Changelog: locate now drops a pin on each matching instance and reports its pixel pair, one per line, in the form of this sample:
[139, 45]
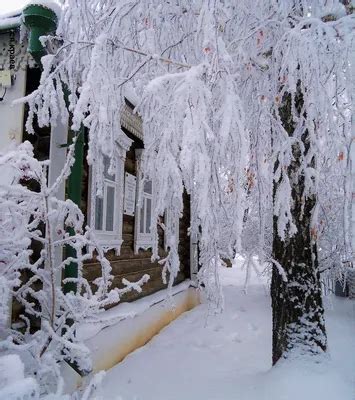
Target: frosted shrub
[31, 217]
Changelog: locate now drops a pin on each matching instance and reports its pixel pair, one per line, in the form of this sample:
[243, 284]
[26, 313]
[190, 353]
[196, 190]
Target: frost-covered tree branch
[214, 129]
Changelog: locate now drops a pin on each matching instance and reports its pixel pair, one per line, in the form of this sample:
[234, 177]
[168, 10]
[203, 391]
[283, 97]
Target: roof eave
[9, 24]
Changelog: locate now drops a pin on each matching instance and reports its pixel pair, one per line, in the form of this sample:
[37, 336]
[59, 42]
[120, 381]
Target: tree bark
[298, 314]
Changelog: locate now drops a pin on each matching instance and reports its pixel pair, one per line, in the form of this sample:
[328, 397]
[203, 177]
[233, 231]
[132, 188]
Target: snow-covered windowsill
[127, 310]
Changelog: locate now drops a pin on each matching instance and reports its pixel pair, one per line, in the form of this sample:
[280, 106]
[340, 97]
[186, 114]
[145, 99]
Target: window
[106, 217]
[142, 234]
[143, 237]
[106, 212]
[104, 206]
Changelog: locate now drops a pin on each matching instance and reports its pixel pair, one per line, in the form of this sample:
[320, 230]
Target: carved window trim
[109, 239]
[142, 240]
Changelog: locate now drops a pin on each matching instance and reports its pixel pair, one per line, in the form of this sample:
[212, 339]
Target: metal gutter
[41, 21]
[74, 194]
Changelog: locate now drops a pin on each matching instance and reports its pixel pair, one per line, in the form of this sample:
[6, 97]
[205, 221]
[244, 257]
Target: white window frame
[109, 239]
[142, 240]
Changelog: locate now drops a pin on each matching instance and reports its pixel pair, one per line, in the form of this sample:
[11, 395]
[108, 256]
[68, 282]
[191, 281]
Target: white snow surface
[13, 384]
[228, 356]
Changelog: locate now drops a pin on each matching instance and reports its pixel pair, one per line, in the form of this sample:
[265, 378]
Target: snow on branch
[214, 129]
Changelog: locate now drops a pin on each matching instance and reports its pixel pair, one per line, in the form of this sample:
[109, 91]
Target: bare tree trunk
[298, 315]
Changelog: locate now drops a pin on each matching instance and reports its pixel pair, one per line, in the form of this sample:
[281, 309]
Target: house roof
[132, 122]
[10, 20]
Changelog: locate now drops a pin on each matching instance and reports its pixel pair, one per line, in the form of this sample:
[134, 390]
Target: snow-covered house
[121, 226]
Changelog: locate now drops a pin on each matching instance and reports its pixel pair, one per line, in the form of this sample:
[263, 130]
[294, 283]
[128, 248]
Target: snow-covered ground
[228, 356]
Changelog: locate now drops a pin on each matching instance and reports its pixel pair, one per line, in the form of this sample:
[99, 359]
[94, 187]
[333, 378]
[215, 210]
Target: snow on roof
[10, 22]
[131, 94]
[11, 14]
[10, 19]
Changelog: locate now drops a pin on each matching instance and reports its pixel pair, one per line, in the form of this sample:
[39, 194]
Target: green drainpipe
[74, 189]
[41, 21]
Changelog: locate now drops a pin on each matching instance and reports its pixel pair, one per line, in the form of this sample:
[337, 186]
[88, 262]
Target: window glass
[99, 209]
[106, 167]
[141, 222]
[148, 215]
[110, 208]
[148, 187]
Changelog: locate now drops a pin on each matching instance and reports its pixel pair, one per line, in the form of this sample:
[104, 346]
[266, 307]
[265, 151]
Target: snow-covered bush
[13, 383]
[33, 218]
